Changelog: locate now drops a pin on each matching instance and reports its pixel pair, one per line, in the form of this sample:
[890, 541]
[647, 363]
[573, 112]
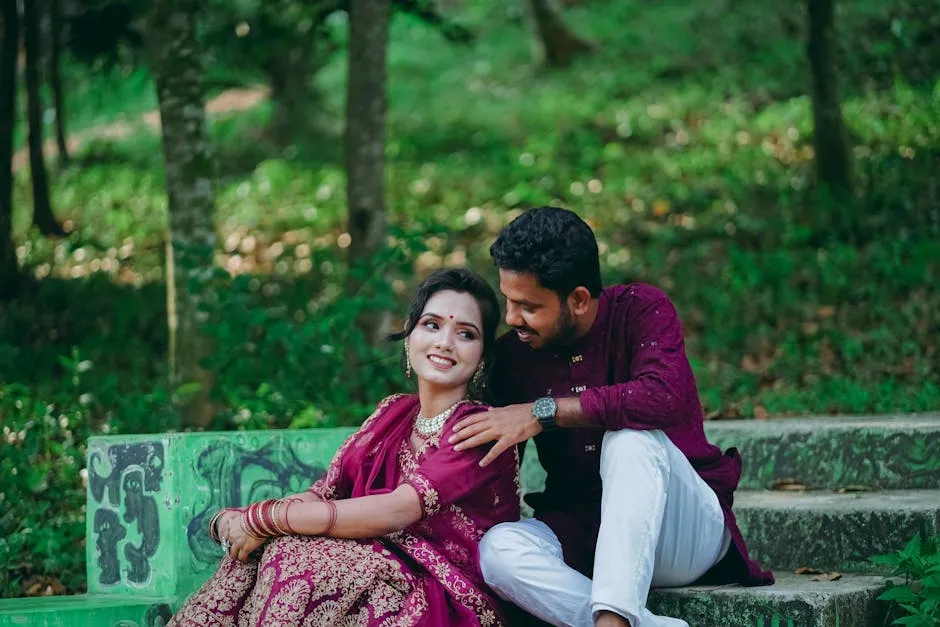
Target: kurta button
[579, 388]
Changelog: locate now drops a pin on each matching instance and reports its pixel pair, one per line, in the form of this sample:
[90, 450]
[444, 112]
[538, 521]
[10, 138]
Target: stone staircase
[847, 488]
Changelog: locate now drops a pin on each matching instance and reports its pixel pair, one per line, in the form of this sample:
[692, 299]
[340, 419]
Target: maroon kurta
[631, 372]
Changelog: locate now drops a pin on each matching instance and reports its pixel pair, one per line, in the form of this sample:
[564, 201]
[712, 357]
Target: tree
[289, 42]
[365, 142]
[177, 66]
[55, 77]
[43, 217]
[830, 140]
[559, 45]
[9, 272]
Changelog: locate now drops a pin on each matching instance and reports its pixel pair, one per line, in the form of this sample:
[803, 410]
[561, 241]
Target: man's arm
[661, 390]
[658, 396]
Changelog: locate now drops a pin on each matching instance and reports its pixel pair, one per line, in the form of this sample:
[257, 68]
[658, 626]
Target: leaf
[855, 488]
[890, 559]
[788, 485]
[188, 390]
[807, 570]
[827, 577]
[898, 594]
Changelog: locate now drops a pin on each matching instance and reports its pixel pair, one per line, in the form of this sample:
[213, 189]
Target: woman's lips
[441, 363]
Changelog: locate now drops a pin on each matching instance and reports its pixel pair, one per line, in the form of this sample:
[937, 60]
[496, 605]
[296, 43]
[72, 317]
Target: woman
[389, 535]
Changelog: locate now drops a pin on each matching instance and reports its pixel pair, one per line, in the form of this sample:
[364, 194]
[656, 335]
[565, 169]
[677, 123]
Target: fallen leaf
[788, 485]
[807, 570]
[39, 585]
[760, 413]
[855, 488]
[827, 577]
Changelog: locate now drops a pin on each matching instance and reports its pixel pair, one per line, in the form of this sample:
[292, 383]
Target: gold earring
[407, 361]
[478, 376]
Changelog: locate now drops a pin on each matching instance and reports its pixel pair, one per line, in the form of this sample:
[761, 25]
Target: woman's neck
[434, 399]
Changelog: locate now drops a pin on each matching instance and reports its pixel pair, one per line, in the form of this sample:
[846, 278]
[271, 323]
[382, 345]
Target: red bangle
[287, 526]
[252, 521]
[332, 521]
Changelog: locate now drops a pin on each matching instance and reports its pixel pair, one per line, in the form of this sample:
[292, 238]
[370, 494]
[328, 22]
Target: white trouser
[661, 525]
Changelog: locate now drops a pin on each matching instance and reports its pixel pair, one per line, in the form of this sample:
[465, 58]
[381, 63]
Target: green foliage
[916, 602]
[42, 527]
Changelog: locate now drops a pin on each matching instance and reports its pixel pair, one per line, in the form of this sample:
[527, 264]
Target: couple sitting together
[417, 519]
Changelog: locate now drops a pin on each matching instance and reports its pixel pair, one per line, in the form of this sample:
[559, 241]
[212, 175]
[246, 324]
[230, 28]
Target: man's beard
[566, 330]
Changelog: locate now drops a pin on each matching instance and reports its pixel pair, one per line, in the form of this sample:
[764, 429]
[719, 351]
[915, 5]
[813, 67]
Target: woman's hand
[240, 544]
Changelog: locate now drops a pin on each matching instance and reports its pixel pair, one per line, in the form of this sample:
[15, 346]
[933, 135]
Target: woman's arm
[361, 517]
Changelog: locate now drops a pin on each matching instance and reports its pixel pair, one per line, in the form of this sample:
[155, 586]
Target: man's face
[537, 314]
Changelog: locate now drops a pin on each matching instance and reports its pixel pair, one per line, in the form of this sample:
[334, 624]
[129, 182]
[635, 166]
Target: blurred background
[772, 166]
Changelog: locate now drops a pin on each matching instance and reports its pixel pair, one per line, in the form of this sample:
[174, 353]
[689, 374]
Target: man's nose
[513, 317]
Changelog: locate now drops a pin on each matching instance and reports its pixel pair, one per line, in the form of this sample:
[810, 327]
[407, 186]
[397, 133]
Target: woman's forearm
[360, 517]
[306, 496]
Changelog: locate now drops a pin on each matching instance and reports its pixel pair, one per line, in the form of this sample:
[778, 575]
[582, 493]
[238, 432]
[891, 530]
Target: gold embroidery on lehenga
[342, 579]
[460, 588]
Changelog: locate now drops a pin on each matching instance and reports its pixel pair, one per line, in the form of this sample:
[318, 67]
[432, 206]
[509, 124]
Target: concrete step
[794, 601]
[887, 452]
[86, 610]
[831, 531]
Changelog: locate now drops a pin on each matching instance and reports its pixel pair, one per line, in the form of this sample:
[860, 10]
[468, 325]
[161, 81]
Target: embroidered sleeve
[661, 391]
[331, 485]
[427, 494]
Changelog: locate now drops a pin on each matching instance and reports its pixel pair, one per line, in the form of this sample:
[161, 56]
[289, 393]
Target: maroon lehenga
[427, 574]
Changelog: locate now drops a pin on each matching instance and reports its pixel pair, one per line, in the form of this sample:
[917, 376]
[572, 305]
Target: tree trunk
[833, 168]
[365, 147]
[559, 45]
[55, 78]
[177, 65]
[9, 272]
[292, 99]
[43, 217]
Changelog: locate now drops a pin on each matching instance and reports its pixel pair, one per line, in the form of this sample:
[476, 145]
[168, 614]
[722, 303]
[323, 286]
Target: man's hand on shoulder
[506, 426]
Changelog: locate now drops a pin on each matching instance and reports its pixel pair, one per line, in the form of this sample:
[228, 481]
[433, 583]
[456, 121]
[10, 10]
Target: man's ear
[579, 300]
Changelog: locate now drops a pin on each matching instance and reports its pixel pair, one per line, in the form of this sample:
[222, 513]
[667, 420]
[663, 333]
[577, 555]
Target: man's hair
[555, 245]
[463, 281]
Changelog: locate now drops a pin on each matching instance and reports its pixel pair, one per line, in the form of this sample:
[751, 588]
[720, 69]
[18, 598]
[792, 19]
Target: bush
[916, 602]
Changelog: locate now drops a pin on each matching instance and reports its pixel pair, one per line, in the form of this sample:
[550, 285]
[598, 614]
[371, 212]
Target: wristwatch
[544, 410]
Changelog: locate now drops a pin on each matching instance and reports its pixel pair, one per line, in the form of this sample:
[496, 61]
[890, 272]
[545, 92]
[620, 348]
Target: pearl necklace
[430, 426]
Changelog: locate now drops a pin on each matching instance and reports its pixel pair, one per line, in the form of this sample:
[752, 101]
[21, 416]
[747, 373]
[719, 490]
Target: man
[635, 495]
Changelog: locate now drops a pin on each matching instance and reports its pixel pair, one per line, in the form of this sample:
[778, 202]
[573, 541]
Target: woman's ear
[579, 300]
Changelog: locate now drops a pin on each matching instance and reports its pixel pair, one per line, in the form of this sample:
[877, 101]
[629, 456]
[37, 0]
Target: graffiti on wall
[123, 484]
[240, 476]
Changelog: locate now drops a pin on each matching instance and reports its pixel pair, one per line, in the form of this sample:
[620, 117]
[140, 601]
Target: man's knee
[631, 446]
[501, 550]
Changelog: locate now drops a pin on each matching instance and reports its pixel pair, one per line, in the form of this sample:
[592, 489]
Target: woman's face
[446, 345]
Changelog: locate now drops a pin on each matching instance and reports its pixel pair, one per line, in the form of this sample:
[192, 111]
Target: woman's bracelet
[216, 518]
[266, 519]
[332, 522]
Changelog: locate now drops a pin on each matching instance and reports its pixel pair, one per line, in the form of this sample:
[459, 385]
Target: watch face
[544, 408]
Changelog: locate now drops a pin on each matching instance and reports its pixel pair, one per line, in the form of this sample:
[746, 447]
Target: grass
[684, 140]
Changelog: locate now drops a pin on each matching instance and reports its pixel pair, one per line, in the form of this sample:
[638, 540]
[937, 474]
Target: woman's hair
[463, 281]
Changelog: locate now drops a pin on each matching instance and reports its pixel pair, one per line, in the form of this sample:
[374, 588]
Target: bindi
[451, 317]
